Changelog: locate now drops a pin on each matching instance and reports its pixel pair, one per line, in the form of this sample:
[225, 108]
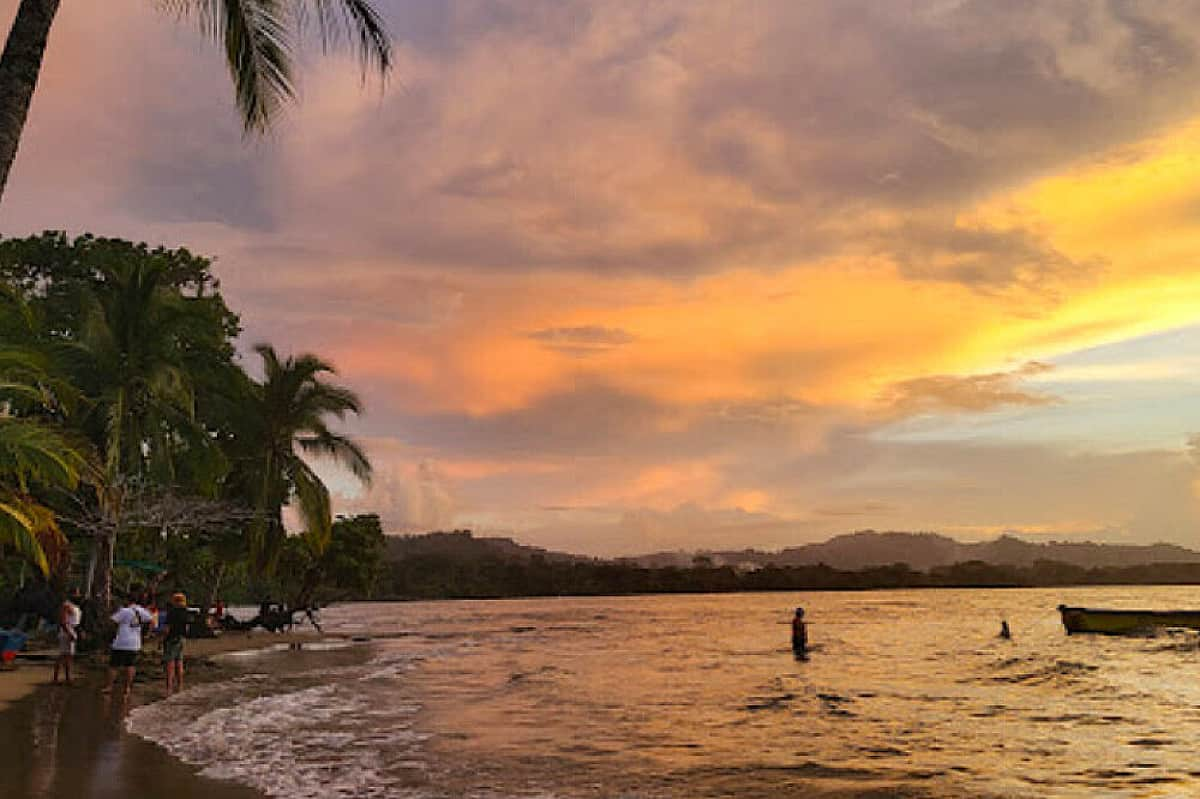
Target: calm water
[907, 694]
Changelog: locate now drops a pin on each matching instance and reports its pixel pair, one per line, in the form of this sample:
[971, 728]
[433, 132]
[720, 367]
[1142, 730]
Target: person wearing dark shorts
[127, 643]
[122, 659]
[172, 646]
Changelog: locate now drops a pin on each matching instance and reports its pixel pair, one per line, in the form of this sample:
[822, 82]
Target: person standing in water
[172, 646]
[127, 643]
[69, 616]
[799, 633]
[1005, 633]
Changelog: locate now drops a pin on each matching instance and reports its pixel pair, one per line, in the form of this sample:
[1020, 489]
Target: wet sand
[20, 682]
[70, 743]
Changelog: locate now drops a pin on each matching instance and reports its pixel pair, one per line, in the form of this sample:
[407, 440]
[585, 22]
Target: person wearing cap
[172, 645]
[799, 633]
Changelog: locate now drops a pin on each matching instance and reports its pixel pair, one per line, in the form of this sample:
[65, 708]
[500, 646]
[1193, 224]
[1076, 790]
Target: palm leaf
[258, 39]
[359, 22]
[31, 451]
[31, 530]
[258, 52]
[340, 449]
[313, 499]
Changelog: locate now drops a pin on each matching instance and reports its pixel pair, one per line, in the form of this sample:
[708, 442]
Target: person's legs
[117, 659]
[169, 669]
[128, 680]
[57, 663]
[66, 661]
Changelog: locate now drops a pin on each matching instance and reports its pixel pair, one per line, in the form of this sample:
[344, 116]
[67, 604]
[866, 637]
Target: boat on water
[1125, 622]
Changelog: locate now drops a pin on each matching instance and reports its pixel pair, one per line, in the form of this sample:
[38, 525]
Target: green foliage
[258, 40]
[433, 575]
[128, 351]
[287, 416]
[349, 568]
[353, 563]
[139, 332]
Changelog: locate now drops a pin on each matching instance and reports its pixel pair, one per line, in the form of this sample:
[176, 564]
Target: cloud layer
[616, 275]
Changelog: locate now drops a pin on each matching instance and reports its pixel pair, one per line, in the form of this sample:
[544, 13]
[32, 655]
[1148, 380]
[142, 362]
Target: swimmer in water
[1005, 633]
[799, 633]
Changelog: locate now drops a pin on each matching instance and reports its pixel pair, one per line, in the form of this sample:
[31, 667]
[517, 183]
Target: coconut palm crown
[288, 418]
[258, 39]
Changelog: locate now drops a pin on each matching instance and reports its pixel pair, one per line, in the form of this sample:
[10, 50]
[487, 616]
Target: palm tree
[34, 393]
[257, 37]
[134, 333]
[34, 453]
[287, 419]
[141, 414]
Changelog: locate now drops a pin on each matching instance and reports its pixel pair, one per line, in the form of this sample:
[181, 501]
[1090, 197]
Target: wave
[290, 737]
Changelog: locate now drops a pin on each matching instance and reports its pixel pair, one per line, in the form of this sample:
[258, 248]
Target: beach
[73, 742]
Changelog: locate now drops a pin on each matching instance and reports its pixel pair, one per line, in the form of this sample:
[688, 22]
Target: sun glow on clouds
[616, 275]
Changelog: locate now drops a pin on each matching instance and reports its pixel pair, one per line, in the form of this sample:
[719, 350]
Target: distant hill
[923, 551]
[458, 565]
[462, 545]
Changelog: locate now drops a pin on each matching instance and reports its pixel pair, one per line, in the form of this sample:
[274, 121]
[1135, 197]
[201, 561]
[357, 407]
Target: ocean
[906, 694]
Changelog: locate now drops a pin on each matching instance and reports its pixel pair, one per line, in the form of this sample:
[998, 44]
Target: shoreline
[33, 670]
[72, 742]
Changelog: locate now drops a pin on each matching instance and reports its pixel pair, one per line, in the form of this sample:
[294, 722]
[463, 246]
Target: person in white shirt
[69, 616]
[127, 643]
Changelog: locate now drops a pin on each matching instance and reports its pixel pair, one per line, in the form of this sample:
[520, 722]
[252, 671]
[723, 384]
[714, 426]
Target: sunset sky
[616, 277]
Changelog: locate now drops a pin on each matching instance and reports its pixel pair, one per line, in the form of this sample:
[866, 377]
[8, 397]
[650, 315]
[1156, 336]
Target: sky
[616, 277]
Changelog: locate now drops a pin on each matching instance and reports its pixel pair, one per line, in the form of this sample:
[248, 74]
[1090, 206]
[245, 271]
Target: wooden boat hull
[1125, 622]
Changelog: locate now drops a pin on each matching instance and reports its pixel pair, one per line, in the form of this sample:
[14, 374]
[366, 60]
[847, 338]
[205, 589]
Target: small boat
[1125, 622]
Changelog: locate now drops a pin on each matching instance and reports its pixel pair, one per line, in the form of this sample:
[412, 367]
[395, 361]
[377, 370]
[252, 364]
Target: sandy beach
[34, 669]
[71, 742]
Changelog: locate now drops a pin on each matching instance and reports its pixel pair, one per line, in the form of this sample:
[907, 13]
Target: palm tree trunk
[19, 68]
[102, 585]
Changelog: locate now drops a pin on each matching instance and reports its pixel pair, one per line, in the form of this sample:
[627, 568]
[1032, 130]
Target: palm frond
[340, 449]
[31, 451]
[258, 52]
[358, 22]
[17, 532]
[258, 39]
[312, 499]
[32, 531]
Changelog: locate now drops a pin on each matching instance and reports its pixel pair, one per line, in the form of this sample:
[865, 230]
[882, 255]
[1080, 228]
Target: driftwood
[272, 617]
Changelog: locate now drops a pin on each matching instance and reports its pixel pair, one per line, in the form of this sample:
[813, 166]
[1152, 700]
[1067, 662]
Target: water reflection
[71, 743]
[902, 694]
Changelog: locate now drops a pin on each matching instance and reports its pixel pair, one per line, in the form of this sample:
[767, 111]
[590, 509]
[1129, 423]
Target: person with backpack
[174, 631]
[127, 643]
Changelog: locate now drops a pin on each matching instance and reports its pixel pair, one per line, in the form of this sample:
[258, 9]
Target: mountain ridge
[849, 551]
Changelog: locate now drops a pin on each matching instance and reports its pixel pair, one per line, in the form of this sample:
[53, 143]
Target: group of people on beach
[130, 620]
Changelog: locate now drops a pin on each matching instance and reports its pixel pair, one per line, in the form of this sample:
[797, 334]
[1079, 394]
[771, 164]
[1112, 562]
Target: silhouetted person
[1005, 633]
[799, 633]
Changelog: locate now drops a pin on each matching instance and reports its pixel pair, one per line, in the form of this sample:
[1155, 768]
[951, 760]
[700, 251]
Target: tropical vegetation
[458, 566]
[257, 37]
[134, 440]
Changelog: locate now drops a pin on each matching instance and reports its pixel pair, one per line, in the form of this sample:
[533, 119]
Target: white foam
[330, 740]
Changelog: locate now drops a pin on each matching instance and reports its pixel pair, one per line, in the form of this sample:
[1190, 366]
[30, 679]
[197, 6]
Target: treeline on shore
[433, 576]
[140, 451]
